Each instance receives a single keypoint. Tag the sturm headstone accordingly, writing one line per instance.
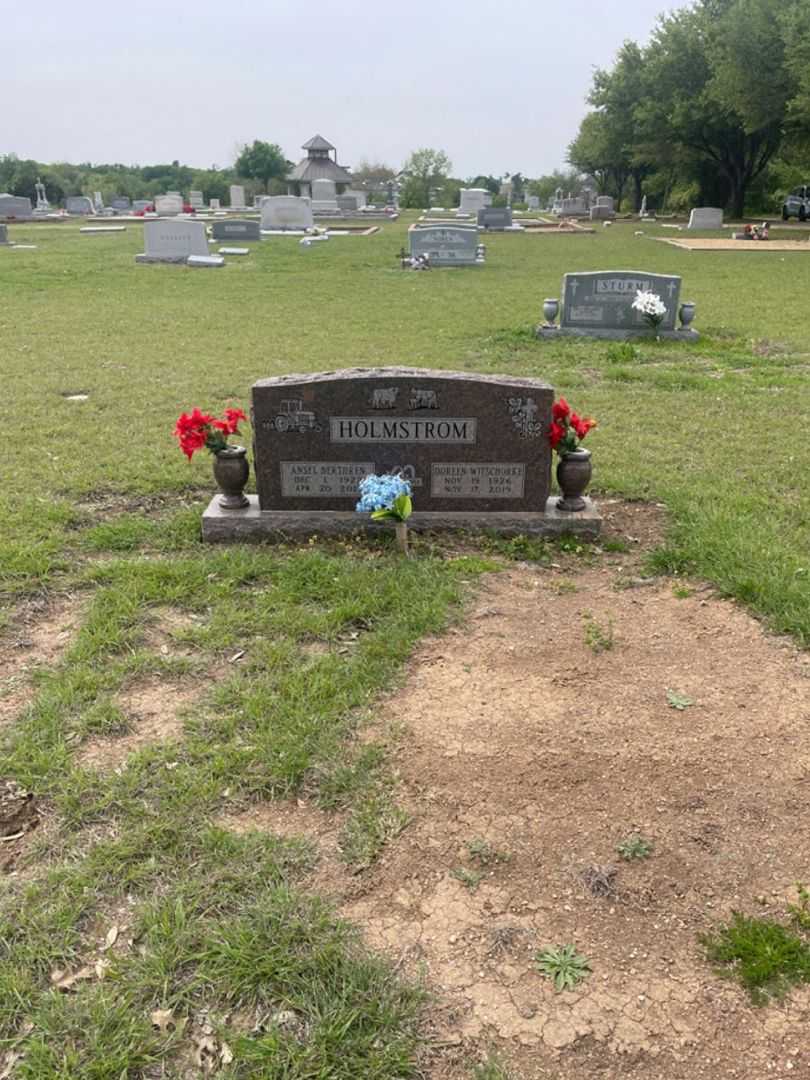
(78, 204)
(237, 196)
(496, 218)
(706, 217)
(600, 304)
(15, 206)
(173, 241)
(169, 204)
(445, 245)
(236, 230)
(286, 212)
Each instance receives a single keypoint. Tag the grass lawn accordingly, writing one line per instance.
(101, 511)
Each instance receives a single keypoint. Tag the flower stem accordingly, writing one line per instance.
(401, 531)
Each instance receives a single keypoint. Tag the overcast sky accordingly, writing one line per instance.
(497, 86)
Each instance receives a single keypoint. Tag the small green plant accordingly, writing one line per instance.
(635, 847)
(564, 965)
(615, 544)
(621, 353)
(678, 701)
(485, 854)
(764, 956)
(682, 592)
(491, 1069)
(800, 912)
(470, 879)
(561, 586)
(598, 636)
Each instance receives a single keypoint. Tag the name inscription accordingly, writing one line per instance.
(477, 480)
(323, 479)
(402, 429)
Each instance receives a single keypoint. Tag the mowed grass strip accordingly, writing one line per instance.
(713, 430)
(217, 925)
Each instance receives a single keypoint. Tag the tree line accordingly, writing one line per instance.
(714, 110)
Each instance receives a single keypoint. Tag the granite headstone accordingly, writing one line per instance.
(466, 442)
(15, 206)
(79, 204)
(495, 218)
(169, 204)
(600, 304)
(173, 241)
(453, 244)
(286, 212)
(236, 230)
(706, 217)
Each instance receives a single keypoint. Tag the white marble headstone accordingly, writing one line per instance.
(237, 196)
(173, 240)
(169, 204)
(286, 212)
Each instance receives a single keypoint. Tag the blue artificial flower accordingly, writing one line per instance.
(380, 492)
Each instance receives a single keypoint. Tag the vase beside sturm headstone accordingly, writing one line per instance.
(475, 448)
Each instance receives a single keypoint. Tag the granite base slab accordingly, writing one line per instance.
(178, 260)
(223, 526)
(616, 335)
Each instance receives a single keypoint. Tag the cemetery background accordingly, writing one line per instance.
(712, 431)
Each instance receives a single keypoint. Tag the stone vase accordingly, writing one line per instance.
(551, 307)
(231, 474)
(687, 314)
(573, 476)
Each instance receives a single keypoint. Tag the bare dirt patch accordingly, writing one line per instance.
(519, 734)
(38, 635)
(154, 708)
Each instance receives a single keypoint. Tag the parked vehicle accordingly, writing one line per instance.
(797, 204)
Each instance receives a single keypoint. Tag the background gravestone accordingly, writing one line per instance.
(169, 204)
(121, 204)
(496, 218)
(286, 212)
(172, 241)
(467, 442)
(600, 304)
(78, 204)
(3, 234)
(237, 196)
(236, 230)
(445, 245)
(706, 217)
(15, 206)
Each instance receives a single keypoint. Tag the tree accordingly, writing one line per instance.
(719, 89)
(376, 170)
(599, 151)
(424, 169)
(262, 161)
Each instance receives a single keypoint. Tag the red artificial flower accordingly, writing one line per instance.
(223, 426)
(556, 433)
(233, 417)
(191, 442)
(560, 409)
(582, 425)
